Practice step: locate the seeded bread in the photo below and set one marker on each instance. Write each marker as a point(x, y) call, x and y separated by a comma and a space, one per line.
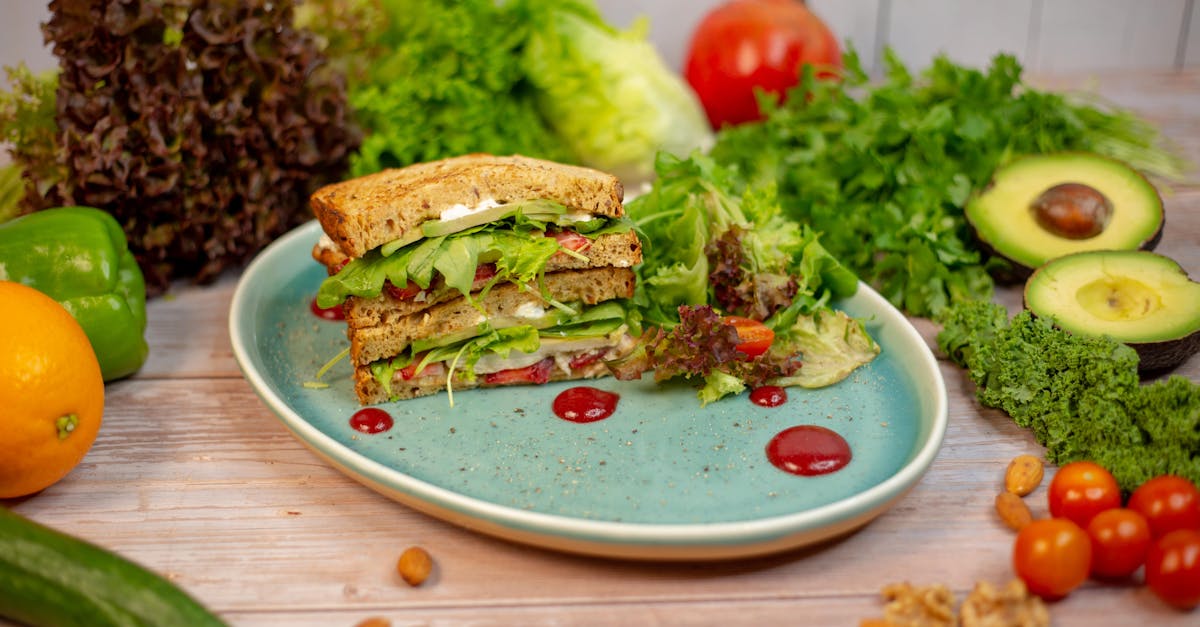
point(391, 336)
point(362, 213)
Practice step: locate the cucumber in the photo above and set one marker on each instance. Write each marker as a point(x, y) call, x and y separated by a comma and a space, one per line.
point(50, 578)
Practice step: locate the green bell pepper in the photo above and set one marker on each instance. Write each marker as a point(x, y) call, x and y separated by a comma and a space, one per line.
point(79, 257)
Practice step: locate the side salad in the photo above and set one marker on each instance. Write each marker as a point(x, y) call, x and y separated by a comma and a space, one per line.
point(710, 248)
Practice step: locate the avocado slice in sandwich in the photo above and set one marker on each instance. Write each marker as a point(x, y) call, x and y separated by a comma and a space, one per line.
point(1040, 207)
point(1140, 298)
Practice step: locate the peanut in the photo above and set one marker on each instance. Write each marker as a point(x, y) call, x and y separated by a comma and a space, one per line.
point(1024, 474)
point(1013, 511)
point(414, 565)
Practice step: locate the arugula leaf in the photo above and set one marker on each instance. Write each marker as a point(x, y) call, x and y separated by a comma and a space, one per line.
point(517, 245)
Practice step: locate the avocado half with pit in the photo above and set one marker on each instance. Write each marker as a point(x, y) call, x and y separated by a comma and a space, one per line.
point(1040, 207)
point(1140, 298)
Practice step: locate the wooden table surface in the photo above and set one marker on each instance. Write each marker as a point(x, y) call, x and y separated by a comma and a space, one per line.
point(194, 477)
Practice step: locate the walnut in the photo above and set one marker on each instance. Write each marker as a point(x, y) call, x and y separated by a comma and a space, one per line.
point(917, 606)
point(1011, 606)
point(986, 606)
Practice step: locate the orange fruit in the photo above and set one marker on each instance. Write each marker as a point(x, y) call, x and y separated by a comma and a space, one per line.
point(51, 391)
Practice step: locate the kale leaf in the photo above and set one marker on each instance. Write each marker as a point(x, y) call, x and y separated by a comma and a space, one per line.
point(1080, 396)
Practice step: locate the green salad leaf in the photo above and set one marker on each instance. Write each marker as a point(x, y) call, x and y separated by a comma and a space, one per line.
point(607, 93)
point(884, 169)
point(435, 79)
point(709, 245)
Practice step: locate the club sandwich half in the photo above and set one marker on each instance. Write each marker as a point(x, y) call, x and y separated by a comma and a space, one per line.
point(477, 270)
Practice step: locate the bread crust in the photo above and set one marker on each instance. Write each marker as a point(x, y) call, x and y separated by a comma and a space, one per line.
point(390, 336)
point(365, 212)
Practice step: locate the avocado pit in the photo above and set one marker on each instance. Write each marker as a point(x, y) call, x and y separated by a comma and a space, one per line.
point(1039, 207)
point(1073, 210)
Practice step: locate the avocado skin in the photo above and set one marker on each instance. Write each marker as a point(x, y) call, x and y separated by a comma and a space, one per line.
point(1154, 357)
point(1006, 270)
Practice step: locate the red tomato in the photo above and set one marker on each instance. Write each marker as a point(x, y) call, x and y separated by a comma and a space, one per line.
point(404, 293)
point(746, 44)
point(1173, 568)
point(754, 338)
point(537, 373)
point(1120, 538)
point(1080, 490)
point(570, 240)
point(1052, 556)
point(1168, 503)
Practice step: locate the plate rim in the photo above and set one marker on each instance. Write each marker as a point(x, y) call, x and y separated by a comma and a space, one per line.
point(768, 529)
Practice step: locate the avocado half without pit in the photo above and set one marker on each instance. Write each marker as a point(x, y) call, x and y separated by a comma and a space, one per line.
point(1140, 298)
point(1044, 206)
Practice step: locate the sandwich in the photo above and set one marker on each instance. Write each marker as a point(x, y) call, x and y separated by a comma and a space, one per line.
point(477, 270)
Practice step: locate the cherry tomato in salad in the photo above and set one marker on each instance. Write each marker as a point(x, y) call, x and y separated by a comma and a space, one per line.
point(1168, 502)
point(1080, 490)
point(744, 45)
point(1052, 556)
point(754, 337)
point(1173, 568)
point(1120, 539)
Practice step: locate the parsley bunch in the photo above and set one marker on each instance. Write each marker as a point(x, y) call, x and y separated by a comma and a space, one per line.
point(883, 170)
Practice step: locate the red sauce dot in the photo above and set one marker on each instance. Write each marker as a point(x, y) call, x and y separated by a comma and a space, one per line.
point(808, 450)
point(371, 420)
point(768, 396)
point(585, 404)
point(333, 313)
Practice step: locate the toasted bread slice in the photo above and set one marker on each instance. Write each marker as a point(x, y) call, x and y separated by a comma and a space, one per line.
point(503, 302)
point(365, 212)
point(615, 250)
point(370, 391)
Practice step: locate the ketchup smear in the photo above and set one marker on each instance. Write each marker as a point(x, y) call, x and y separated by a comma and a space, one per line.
point(808, 450)
point(333, 313)
point(585, 404)
point(371, 420)
point(768, 396)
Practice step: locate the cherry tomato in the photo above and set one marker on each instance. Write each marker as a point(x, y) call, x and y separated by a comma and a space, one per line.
point(754, 337)
point(746, 44)
point(1168, 502)
point(1052, 556)
point(1080, 490)
point(1173, 568)
point(1120, 539)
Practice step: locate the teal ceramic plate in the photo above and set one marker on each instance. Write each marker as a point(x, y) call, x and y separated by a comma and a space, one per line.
point(663, 478)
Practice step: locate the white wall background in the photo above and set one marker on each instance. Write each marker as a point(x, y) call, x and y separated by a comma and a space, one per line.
point(1048, 36)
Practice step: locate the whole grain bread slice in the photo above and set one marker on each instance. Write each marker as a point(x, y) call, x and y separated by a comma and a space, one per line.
point(362, 213)
point(503, 302)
